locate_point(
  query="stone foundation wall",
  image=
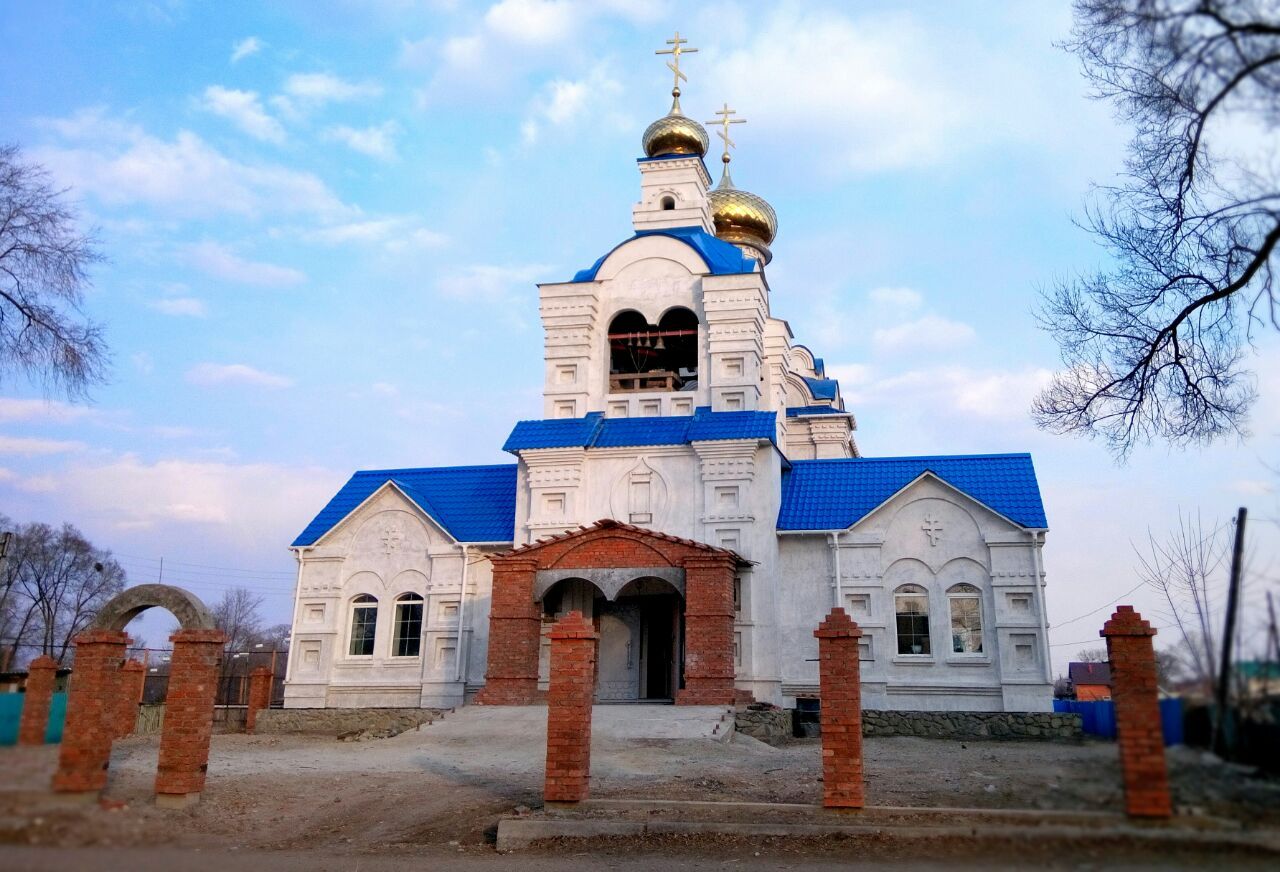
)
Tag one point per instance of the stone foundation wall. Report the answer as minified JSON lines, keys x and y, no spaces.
{"x":972,"y":725}
{"x":336,"y":721}
{"x":771,"y":725}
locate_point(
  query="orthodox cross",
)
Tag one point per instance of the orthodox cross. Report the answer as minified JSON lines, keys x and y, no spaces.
{"x":932,"y":528}
{"x":724,"y":122}
{"x":391,"y":537}
{"x":674,"y":64}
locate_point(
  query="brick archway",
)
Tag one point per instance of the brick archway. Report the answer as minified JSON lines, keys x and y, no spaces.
{"x":95,"y":702}
{"x":515,"y":618}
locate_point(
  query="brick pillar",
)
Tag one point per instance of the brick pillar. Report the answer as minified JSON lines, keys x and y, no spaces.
{"x":569,"y":701}
{"x":41,"y":675}
{"x":514,"y":628}
{"x":260,"y":681}
{"x":841,"y":693}
{"x":91,"y":707}
{"x":132,"y":676}
{"x":708,"y":631}
{"x":188,"y":716}
{"x":1138,"y":732}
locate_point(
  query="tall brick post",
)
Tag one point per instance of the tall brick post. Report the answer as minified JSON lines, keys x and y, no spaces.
{"x":260,"y":681}
{"x":569,"y":702}
{"x":41,"y":675}
{"x":515,"y":626}
{"x":708,"y":631}
{"x":91,"y":708}
{"x":132,"y":676}
{"x":188,"y":716}
{"x":841,"y":716}
{"x":1138,"y":732}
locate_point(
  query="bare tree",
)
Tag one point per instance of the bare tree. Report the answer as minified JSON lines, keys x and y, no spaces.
{"x":55,"y":582}
{"x":1154,"y":347}
{"x":44,"y":261}
{"x":1092,"y":655}
{"x":1184,"y":569}
{"x":238,"y":614}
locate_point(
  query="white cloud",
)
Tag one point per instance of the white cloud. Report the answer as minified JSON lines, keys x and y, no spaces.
{"x":568,"y":103}
{"x":951,"y":395}
{"x":33,"y":447}
{"x":250,"y":45}
{"x":536,"y":22}
{"x":929,"y":333}
{"x":142,"y":362}
{"x":395,"y":234}
{"x":319,"y":88}
{"x":211,"y":374}
{"x":385,"y":389}
{"x":487,"y":282}
{"x":244,"y":110}
{"x":219,"y":261}
{"x":900,"y":298}
{"x":377,"y":141}
{"x":119,"y":163}
{"x":182,"y":307}
{"x":16,"y":409}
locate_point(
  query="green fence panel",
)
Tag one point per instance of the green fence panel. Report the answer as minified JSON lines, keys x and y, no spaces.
{"x":57,"y":718}
{"x":10,"y":717}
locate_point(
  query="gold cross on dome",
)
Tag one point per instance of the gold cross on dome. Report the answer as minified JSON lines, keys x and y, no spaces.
{"x":724,"y":121}
{"x":674,"y":64}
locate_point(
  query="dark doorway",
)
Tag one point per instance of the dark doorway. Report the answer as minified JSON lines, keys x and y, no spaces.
{"x":659,"y":651}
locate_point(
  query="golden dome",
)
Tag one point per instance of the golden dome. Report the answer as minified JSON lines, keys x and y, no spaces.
{"x":675,"y":133}
{"x":742,"y":218}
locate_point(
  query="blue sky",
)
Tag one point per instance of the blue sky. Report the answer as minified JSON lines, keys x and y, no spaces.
{"x":325,"y":220}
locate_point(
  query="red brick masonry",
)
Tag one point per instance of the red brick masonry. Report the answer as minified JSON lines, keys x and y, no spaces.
{"x":841,"y":714}
{"x":515,"y":624}
{"x":708,"y":631}
{"x":188,"y":711}
{"x":260,"y":681}
{"x":1133,"y":689}
{"x":41,"y":675}
{"x":91,"y":707}
{"x":569,"y":701}
{"x":132,"y":676}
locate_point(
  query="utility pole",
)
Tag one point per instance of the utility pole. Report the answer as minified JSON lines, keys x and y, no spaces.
{"x":1224,"y":669}
{"x":5,"y":539}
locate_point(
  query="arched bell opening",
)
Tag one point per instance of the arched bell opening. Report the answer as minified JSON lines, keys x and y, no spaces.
{"x":649,"y":357}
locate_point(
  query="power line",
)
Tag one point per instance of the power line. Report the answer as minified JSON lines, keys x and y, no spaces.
{"x":1101,"y":607}
{"x":205,"y":565}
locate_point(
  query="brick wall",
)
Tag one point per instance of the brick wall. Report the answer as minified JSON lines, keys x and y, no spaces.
{"x":569,"y":704}
{"x":41,"y":675}
{"x":1138,"y":732}
{"x":841,"y":716}
{"x":708,"y":632}
{"x":260,"y":681}
{"x":132,"y":677}
{"x":515,"y":624}
{"x":91,"y":706}
{"x":188,"y":716}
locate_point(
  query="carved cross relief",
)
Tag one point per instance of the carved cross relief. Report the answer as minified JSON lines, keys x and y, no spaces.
{"x":391,"y":537}
{"x":932,"y":528}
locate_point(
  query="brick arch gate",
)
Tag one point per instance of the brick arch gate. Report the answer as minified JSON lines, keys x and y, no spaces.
{"x":521,"y":575}
{"x":96,"y":682}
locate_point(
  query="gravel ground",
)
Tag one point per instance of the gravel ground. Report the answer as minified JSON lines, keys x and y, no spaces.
{"x":440,"y":792}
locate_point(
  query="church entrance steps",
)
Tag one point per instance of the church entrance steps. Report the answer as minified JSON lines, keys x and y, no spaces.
{"x":604,"y":818}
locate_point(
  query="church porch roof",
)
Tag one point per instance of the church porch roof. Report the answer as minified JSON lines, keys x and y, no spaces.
{"x":596,"y":431}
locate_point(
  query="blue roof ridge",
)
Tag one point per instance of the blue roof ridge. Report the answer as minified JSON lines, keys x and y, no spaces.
{"x":915,"y":457}
{"x":392,"y":472}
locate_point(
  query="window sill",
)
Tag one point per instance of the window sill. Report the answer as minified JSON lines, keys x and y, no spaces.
{"x":970,"y":660}
{"x":914,"y":659}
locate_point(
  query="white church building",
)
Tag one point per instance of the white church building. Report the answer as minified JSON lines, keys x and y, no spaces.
{"x":695,"y":489}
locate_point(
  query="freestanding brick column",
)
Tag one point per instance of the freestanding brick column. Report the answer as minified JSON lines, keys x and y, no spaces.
{"x":132,"y":676}
{"x":1133,"y":689}
{"x":841,"y":715}
{"x":569,"y":702}
{"x":260,"y":681}
{"x":708,"y":631}
{"x":515,"y":626}
{"x":41,"y":675}
{"x":188,"y":716}
{"x":91,"y":708}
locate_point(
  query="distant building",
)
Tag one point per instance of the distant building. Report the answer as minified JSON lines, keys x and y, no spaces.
{"x":1090,"y":680}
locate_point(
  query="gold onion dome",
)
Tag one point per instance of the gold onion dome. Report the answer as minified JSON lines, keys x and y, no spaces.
{"x":675,"y":133}
{"x":742,"y":218}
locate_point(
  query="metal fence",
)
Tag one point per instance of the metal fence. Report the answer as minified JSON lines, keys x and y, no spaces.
{"x":11,"y":717}
{"x":1098,"y":717}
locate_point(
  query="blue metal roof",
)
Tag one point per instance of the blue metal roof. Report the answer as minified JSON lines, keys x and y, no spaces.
{"x":822,"y":388}
{"x":472,"y":503}
{"x":834,"y":494}
{"x":796,"y":411}
{"x":722,"y":258}
{"x":595,"y":431}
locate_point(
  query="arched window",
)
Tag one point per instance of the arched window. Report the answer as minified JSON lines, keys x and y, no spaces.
{"x":911,"y":607}
{"x":406,"y":641}
{"x":668,"y":203}
{"x":966,"y":619}
{"x":364,"y":623}
{"x":645,"y":357}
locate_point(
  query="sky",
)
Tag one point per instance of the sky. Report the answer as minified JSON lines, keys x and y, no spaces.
{"x":324,"y":222}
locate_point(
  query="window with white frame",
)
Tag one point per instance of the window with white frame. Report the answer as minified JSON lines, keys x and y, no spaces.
{"x":966,"y":619}
{"x":406,"y":641}
{"x":364,"y":624}
{"x":911,"y":607}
